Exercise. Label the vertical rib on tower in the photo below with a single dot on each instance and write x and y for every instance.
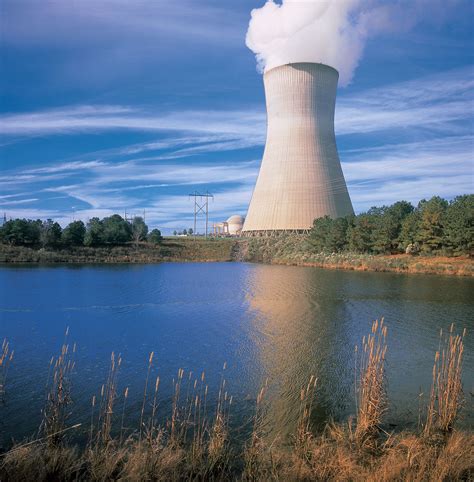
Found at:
(300, 178)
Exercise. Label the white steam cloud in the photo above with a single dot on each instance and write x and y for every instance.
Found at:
(332, 32)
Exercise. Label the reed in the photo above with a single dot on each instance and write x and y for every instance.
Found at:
(371, 395)
(303, 428)
(58, 398)
(107, 401)
(150, 363)
(6, 357)
(446, 389)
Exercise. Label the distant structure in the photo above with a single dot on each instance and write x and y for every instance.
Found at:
(232, 227)
(300, 177)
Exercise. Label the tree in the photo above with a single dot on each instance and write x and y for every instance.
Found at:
(337, 237)
(74, 233)
(384, 233)
(398, 212)
(155, 237)
(94, 233)
(459, 225)
(190, 231)
(139, 229)
(175, 232)
(359, 233)
(319, 234)
(185, 232)
(50, 234)
(431, 229)
(116, 230)
(409, 230)
(21, 232)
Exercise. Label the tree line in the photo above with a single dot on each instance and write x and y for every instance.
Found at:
(434, 226)
(111, 230)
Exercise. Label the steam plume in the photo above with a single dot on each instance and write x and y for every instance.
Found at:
(333, 32)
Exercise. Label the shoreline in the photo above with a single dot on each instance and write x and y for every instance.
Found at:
(383, 264)
(277, 252)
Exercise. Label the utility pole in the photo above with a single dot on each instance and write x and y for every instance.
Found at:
(201, 206)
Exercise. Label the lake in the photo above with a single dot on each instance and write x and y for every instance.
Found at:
(269, 324)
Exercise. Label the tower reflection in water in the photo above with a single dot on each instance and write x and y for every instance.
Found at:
(302, 327)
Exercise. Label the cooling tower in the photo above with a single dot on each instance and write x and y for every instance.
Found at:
(300, 178)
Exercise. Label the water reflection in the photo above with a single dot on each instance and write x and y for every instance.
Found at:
(302, 328)
(308, 321)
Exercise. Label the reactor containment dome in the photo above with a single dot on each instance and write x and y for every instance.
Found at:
(300, 177)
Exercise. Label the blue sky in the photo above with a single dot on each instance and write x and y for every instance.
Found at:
(113, 105)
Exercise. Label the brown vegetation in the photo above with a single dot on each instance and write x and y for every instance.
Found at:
(192, 445)
(297, 251)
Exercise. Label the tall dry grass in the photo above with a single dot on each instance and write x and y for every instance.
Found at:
(446, 389)
(58, 387)
(371, 393)
(195, 442)
(6, 357)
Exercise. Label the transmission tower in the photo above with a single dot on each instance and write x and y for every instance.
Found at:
(201, 206)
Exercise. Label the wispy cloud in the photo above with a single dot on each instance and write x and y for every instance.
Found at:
(18, 201)
(78, 119)
(121, 21)
(439, 102)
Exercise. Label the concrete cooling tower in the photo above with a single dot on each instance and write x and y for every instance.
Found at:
(300, 177)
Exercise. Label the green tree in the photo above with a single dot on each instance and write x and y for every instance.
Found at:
(431, 229)
(21, 232)
(155, 237)
(459, 224)
(175, 232)
(94, 233)
(381, 232)
(74, 233)
(409, 230)
(185, 232)
(359, 233)
(398, 212)
(337, 236)
(50, 234)
(116, 230)
(387, 225)
(190, 231)
(139, 229)
(319, 233)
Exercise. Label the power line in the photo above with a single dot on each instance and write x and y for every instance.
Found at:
(201, 206)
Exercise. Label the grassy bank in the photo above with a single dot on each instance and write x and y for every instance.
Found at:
(296, 250)
(289, 250)
(194, 445)
(171, 249)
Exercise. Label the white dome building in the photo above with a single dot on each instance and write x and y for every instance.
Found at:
(232, 227)
(235, 224)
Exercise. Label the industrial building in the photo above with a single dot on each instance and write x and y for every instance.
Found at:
(232, 227)
(300, 177)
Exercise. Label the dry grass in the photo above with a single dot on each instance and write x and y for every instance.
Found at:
(58, 399)
(371, 396)
(6, 357)
(446, 389)
(195, 442)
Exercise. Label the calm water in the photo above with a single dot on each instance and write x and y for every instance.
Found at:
(267, 322)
